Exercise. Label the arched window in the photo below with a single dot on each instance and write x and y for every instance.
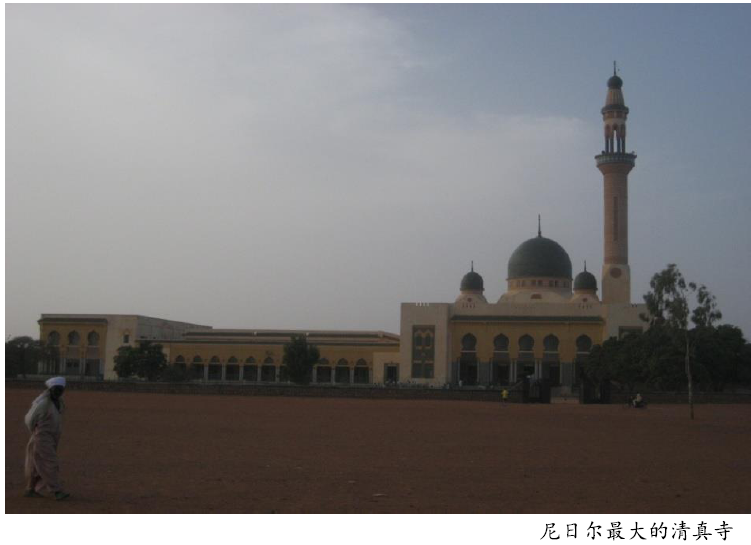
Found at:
(361, 362)
(197, 359)
(428, 340)
(53, 339)
(93, 339)
(269, 361)
(500, 370)
(214, 359)
(550, 343)
(526, 343)
(179, 359)
(323, 372)
(251, 359)
(418, 340)
(583, 344)
(74, 338)
(500, 343)
(232, 359)
(342, 372)
(468, 361)
(469, 343)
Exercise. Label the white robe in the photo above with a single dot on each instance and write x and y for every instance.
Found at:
(44, 421)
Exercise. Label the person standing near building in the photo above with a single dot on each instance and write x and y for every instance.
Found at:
(44, 421)
(504, 395)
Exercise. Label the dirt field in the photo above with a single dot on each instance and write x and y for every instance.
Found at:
(169, 453)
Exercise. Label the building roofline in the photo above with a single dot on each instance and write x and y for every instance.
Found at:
(309, 333)
(470, 318)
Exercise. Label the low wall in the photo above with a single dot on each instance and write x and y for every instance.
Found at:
(364, 391)
(682, 397)
(292, 390)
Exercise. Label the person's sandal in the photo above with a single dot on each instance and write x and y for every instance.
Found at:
(32, 494)
(60, 496)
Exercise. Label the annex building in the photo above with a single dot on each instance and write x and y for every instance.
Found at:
(541, 326)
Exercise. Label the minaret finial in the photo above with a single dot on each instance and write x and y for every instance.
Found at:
(585, 265)
(472, 266)
(539, 226)
(614, 68)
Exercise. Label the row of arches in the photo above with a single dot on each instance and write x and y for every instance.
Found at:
(615, 138)
(526, 343)
(268, 361)
(268, 371)
(74, 338)
(501, 369)
(425, 341)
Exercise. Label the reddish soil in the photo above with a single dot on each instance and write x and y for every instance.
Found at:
(151, 453)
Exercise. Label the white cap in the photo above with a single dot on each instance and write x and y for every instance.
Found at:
(55, 381)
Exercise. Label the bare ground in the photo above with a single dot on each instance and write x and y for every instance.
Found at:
(149, 453)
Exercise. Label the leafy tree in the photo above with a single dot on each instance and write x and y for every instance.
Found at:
(144, 361)
(668, 306)
(622, 360)
(23, 354)
(744, 371)
(630, 364)
(664, 358)
(719, 354)
(174, 373)
(300, 357)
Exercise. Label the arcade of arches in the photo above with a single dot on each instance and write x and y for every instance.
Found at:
(497, 367)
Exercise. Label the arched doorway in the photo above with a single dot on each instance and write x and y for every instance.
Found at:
(501, 361)
(468, 361)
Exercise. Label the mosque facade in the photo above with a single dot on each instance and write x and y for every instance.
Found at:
(542, 326)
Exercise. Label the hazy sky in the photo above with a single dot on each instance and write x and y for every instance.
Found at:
(314, 166)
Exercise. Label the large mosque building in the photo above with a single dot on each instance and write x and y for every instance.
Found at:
(544, 323)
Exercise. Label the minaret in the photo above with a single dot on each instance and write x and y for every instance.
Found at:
(615, 164)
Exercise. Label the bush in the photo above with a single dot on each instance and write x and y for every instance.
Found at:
(173, 373)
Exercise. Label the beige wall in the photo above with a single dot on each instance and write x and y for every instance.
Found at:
(426, 314)
(567, 334)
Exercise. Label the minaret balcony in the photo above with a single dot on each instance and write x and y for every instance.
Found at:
(606, 158)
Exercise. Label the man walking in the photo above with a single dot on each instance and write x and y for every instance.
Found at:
(44, 421)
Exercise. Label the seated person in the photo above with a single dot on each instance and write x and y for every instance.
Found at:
(638, 401)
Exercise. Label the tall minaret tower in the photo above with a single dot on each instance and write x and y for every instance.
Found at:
(615, 164)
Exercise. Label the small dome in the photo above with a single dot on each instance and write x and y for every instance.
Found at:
(472, 282)
(615, 82)
(585, 280)
(539, 257)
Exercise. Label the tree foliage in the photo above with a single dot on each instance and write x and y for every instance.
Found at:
(300, 357)
(716, 355)
(23, 355)
(146, 361)
(668, 304)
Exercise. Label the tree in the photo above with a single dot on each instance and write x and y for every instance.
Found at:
(300, 357)
(621, 360)
(144, 361)
(22, 355)
(668, 306)
(718, 352)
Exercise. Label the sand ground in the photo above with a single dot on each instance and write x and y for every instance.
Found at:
(148, 453)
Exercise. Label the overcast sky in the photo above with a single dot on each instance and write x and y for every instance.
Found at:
(315, 166)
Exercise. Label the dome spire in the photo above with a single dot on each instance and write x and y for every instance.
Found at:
(585, 265)
(472, 266)
(539, 226)
(614, 72)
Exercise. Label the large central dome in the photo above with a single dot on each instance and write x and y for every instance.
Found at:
(539, 257)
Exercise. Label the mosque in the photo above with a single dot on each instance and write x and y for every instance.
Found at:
(541, 327)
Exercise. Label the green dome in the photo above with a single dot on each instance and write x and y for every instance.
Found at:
(615, 82)
(472, 282)
(585, 280)
(539, 257)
